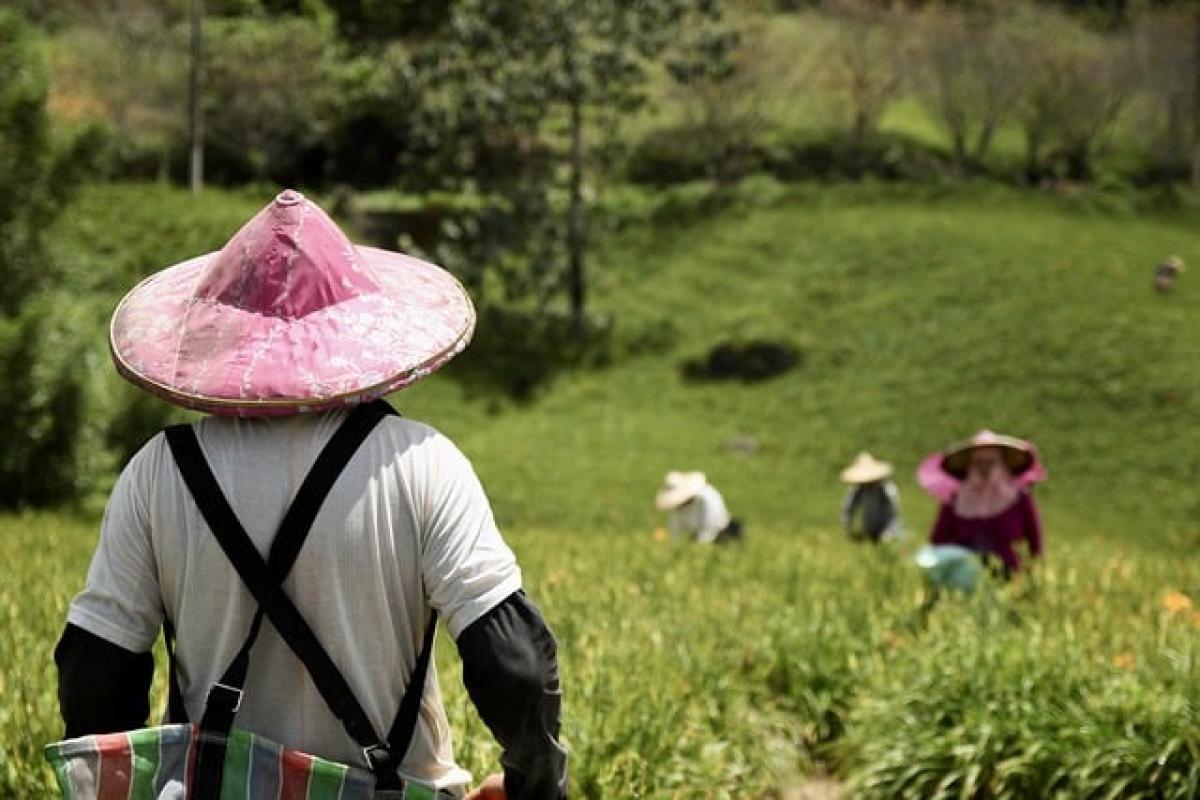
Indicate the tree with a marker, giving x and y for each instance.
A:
(1077, 88)
(1166, 65)
(514, 91)
(122, 63)
(863, 58)
(38, 176)
(727, 80)
(41, 339)
(263, 121)
(969, 74)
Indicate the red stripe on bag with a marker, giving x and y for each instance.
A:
(193, 747)
(297, 767)
(116, 766)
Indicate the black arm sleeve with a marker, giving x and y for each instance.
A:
(102, 688)
(510, 669)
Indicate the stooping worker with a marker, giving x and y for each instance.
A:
(986, 504)
(873, 497)
(303, 502)
(696, 508)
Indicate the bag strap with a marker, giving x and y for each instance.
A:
(262, 579)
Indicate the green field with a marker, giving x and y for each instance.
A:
(922, 314)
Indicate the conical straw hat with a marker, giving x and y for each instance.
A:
(288, 317)
(678, 488)
(866, 469)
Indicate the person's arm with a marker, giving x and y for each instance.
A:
(1032, 525)
(102, 687)
(849, 503)
(895, 527)
(675, 524)
(104, 662)
(943, 528)
(510, 670)
(509, 663)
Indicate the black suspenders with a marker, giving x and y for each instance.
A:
(263, 579)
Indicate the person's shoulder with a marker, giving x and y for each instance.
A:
(410, 430)
(417, 438)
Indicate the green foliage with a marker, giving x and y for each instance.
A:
(47, 406)
(64, 407)
(37, 176)
(268, 122)
(503, 90)
(728, 672)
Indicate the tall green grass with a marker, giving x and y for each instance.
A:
(731, 672)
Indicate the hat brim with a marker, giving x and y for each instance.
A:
(1018, 455)
(210, 356)
(867, 474)
(675, 496)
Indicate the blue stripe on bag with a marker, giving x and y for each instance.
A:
(264, 768)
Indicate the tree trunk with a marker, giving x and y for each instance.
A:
(1196, 99)
(577, 222)
(1033, 155)
(195, 111)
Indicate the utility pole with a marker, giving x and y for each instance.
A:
(1196, 97)
(577, 210)
(195, 111)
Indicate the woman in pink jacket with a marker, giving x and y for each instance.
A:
(987, 506)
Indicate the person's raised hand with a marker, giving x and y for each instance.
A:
(492, 788)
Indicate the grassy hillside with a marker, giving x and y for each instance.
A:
(922, 315)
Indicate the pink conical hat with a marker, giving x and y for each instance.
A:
(289, 317)
(941, 473)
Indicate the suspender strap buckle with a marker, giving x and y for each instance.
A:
(378, 757)
(224, 698)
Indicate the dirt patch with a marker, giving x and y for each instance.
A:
(815, 789)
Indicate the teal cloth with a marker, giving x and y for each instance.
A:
(949, 566)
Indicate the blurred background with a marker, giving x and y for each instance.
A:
(528, 145)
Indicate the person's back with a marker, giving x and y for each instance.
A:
(873, 497)
(877, 505)
(357, 580)
(404, 530)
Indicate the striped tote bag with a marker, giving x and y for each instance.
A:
(154, 764)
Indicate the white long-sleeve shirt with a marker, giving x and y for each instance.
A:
(702, 517)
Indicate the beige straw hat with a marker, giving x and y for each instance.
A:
(1018, 454)
(1174, 262)
(866, 469)
(678, 488)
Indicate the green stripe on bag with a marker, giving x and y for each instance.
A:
(54, 756)
(235, 779)
(415, 791)
(325, 780)
(144, 744)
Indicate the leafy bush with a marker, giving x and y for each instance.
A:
(517, 351)
(745, 361)
(48, 408)
(669, 155)
(267, 122)
(37, 174)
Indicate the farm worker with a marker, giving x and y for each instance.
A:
(696, 508)
(287, 337)
(1166, 273)
(986, 504)
(874, 497)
